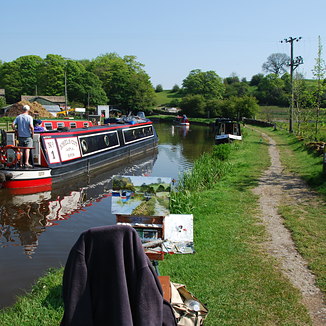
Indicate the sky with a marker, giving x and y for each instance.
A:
(171, 37)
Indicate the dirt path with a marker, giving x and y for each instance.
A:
(275, 185)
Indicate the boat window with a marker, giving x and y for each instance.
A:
(86, 124)
(48, 125)
(73, 125)
(106, 140)
(60, 125)
(137, 133)
(84, 146)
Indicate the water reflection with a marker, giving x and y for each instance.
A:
(24, 217)
(181, 130)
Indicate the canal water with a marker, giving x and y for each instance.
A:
(38, 230)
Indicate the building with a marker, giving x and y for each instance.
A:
(53, 104)
(59, 100)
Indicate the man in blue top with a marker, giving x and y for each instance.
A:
(24, 126)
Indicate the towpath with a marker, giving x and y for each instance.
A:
(275, 186)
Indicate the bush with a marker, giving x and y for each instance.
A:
(222, 151)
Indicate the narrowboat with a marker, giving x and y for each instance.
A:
(227, 130)
(181, 121)
(67, 148)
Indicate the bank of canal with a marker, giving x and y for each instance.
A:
(231, 270)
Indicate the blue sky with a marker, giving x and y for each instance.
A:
(170, 38)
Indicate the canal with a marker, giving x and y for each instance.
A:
(38, 230)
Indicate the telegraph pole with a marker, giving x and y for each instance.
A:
(66, 93)
(294, 63)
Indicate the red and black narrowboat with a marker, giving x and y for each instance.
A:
(68, 148)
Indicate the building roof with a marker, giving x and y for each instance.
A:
(52, 108)
(53, 99)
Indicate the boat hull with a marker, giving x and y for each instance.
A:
(222, 139)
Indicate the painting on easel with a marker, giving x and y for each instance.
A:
(141, 196)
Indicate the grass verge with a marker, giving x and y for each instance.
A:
(305, 219)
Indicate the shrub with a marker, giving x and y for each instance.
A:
(222, 151)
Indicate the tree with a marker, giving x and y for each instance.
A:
(193, 105)
(276, 63)
(208, 84)
(83, 86)
(319, 74)
(2, 102)
(256, 79)
(29, 72)
(124, 81)
(237, 89)
(10, 81)
(175, 88)
(52, 75)
(302, 99)
(271, 91)
(159, 88)
(20, 77)
(213, 107)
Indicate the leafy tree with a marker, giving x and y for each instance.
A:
(20, 77)
(159, 88)
(208, 84)
(256, 79)
(276, 63)
(29, 71)
(237, 89)
(175, 102)
(175, 88)
(213, 107)
(2, 102)
(246, 106)
(83, 86)
(93, 93)
(193, 105)
(52, 75)
(124, 81)
(271, 91)
(319, 71)
(303, 101)
(238, 107)
(10, 81)
(231, 80)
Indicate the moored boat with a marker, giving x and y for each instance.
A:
(181, 121)
(227, 130)
(64, 151)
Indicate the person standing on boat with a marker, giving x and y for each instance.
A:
(23, 124)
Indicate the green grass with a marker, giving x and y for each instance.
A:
(42, 306)
(164, 98)
(230, 271)
(296, 159)
(305, 220)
